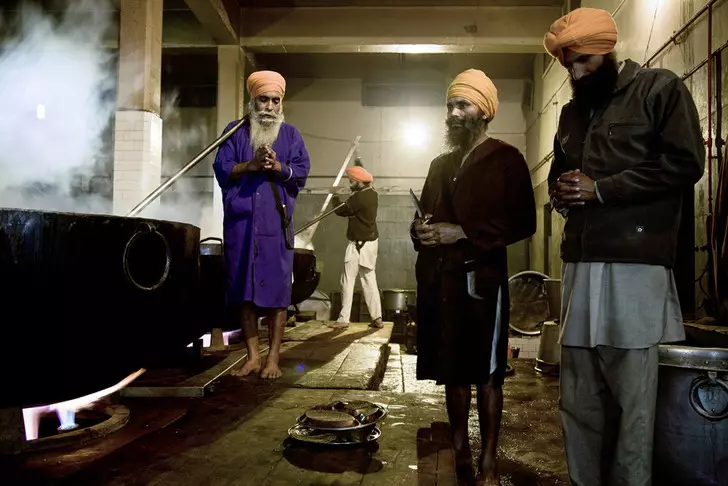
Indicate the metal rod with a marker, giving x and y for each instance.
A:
(352, 150)
(677, 33)
(323, 215)
(191, 164)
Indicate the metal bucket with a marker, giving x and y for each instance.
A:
(691, 422)
(549, 349)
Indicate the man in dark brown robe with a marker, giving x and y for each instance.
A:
(478, 199)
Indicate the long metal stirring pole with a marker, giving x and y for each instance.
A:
(192, 163)
(323, 215)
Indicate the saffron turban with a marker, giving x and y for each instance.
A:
(477, 88)
(261, 82)
(359, 174)
(584, 30)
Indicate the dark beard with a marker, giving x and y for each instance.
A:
(461, 134)
(592, 91)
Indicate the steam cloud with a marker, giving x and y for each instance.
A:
(56, 94)
(58, 99)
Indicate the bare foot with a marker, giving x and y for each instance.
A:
(271, 371)
(340, 325)
(488, 472)
(250, 366)
(377, 323)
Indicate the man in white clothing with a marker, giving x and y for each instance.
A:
(361, 253)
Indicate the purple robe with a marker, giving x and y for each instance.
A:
(259, 266)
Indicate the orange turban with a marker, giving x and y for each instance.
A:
(477, 88)
(584, 30)
(261, 82)
(358, 174)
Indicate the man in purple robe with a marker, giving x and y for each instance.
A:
(260, 169)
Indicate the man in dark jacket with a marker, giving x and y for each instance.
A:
(361, 253)
(478, 199)
(627, 147)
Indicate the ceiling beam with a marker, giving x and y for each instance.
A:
(397, 29)
(214, 17)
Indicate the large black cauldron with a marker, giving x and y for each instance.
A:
(87, 300)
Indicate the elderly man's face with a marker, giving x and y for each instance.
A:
(268, 106)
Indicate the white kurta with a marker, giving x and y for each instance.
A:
(360, 263)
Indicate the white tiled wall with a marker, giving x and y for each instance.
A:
(137, 158)
(528, 345)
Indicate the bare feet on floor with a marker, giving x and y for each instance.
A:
(271, 371)
(377, 323)
(488, 472)
(250, 366)
(339, 325)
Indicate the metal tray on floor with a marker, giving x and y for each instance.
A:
(359, 414)
(334, 438)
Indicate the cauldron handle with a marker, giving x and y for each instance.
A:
(713, 379)
(147, 229)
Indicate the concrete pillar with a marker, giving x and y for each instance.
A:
(230, 107)
(138, 131)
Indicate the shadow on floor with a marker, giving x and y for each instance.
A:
(326, 459)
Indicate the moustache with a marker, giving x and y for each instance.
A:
(455, 123)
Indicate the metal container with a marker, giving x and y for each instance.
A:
(89, 299)
(305, 276)
(212, 286)
(394, 300)
(691, 423)
(549, 349)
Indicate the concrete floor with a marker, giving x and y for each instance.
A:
(238, 436)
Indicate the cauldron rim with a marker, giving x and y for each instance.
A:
(92, 215)
(693, 357)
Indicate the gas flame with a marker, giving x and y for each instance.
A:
(66, 411)
(207, 338)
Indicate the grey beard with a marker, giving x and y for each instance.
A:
(263, 130)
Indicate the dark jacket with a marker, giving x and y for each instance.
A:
(490, 197)
(643, 149)
(361, 209)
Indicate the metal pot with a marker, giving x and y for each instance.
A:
(212, 286)
(691, 422)
(394, 300)
(89, 299)
(305, 276)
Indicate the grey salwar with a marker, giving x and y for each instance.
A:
(614, 315)
(607, 412)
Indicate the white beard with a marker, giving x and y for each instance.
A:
(264, 132)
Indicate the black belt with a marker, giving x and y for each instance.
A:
(359, 245)
(285, 219)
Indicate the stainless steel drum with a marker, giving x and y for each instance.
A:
(691, 423)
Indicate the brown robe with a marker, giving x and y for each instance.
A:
(491, 198)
